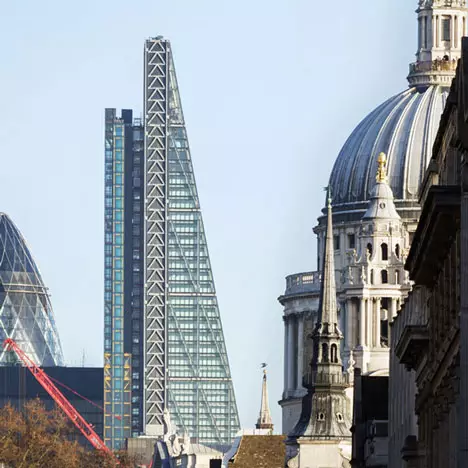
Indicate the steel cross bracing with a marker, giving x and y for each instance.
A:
(156, 104)
(171, 190)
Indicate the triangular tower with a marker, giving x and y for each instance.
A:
(264, 418)
(322, 436)
(180, 287)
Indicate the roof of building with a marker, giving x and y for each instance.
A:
(404, 127)
(201, 449)
(267, 451)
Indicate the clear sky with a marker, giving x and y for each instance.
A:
(270, 89)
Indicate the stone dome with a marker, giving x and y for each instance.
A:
(404, 128)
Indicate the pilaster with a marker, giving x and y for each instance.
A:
(300, 353)
(286, 356)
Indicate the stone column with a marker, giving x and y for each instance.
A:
(362, 322)
(370, 322)
(286, 355)
(348, 324)
(393, 310)
(291, 353)
(300, 350)
(452, 30)
(377, 322)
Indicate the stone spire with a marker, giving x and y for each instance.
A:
(264, 419)
(441, 25)
(327, 307)
(325, 412)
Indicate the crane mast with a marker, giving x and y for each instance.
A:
(75, 417)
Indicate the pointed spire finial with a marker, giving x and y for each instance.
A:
(264, 419)
(328, 307)
(382, 168)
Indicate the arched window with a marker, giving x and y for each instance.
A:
(324, 352)
(369, 249)
(372, 277)
(384, 249)
(384, 275)
(334, 353)
(397, 276)
(397, 250)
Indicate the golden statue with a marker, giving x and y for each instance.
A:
(382, 168)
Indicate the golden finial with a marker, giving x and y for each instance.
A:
(382, 168)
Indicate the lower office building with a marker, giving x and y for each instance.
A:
(164, 342)
(19, 386)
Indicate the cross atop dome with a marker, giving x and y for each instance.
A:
(441, 25)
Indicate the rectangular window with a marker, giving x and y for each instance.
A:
(336, 242)
(351, 241)
(446, 29)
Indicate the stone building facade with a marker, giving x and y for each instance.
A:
(371, 283)
(431, 338)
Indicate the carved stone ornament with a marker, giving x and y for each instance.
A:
(293, 462)
(169, 428)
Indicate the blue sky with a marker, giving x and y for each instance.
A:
(271, 89)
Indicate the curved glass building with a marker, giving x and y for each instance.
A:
(25, 309)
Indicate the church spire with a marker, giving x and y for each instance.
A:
(328, 313)
(325, 407)
(441, 25)
(264, 419)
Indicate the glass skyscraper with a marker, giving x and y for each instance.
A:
(164, 342)
(25, 309)
(123, 277)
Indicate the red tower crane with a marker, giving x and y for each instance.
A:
(58, 397)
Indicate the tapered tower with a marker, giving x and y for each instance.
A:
(164, 342)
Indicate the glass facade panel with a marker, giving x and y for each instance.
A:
(200, 391)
